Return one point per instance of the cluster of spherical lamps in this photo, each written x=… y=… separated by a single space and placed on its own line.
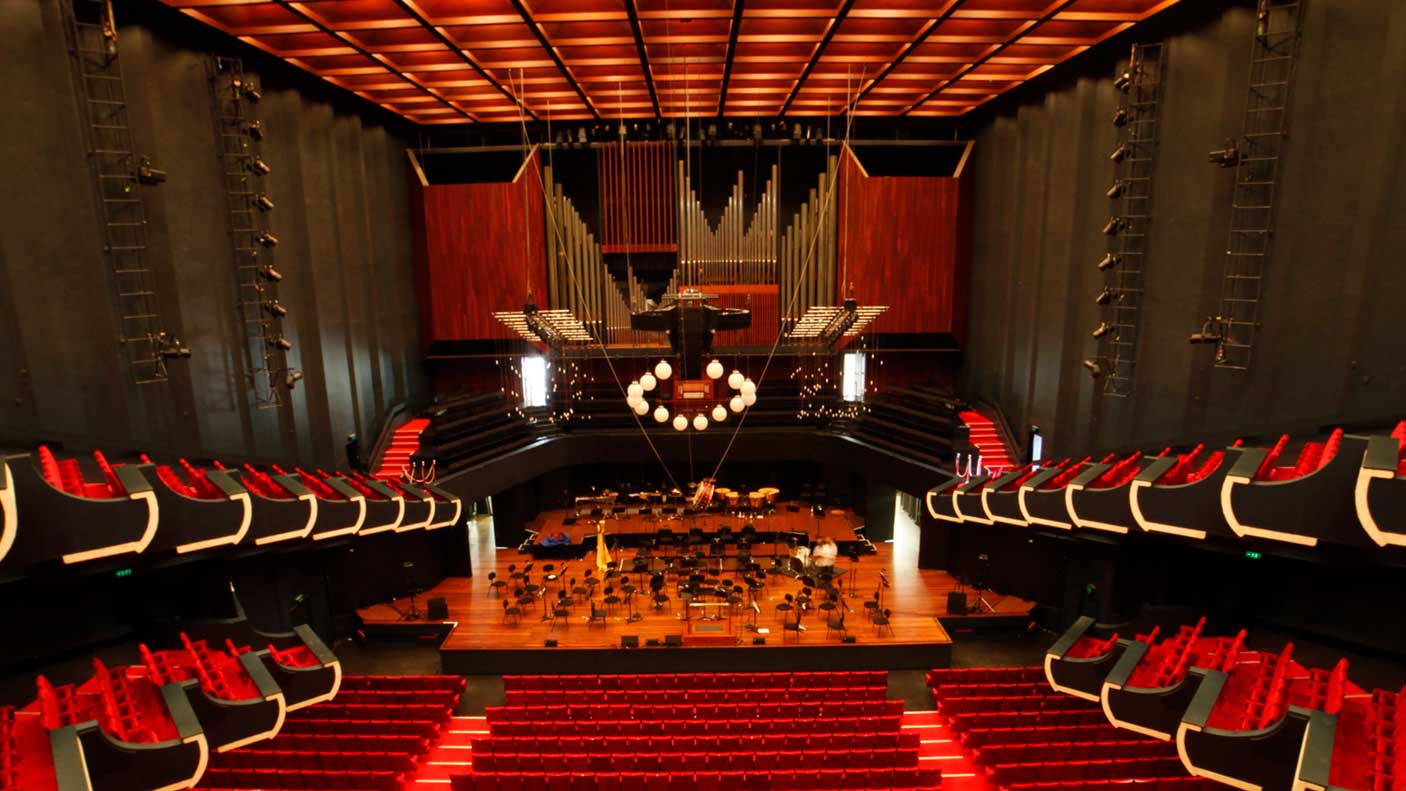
x=745 y=396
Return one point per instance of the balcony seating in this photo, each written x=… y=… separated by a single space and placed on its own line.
x=941 y=500
x=1181 y=495
x=283 y=509
x=419 y=506
x=1042 y=495
x=1000 y=499
x=448 y=507
x=966 y=499
x=1148 y=689
x=918 y=423
x=1380 y=494
x=341 y=509
x=1082 y=657
x=1299 y=504
x=203 y=509
x=472 y=429
x=1097 y=498
x=73 y=515
x=384 y=506
x=235 y=699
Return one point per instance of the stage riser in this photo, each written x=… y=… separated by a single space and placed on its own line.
x=743 y=659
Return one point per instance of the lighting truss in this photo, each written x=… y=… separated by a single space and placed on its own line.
x=553 y=327
x=829 y=323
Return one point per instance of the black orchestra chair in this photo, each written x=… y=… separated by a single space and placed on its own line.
x=834 y=623
x=597 y=615
x=495 y=585
x=561 y=612
x=513 y=611
x=581 y=592
x=611 y=599
x=789 y=627
x=784 y=608
x=872 y=607
x=881 y=621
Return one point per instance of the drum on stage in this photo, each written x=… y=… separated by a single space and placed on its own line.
x=756 y=499
x=770 y=493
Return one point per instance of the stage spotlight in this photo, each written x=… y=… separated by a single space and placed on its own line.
x=169 y=346
x=251 y=92
x=1103 y=329
x=1106 y=296
x=1120 y=117
x=757 y=131
x=259 y=167
x=1124 y=81
x=280 y=342
x=1115 y=191
x=267 y=239
x=1120 y=153
x=1095 y=368
x=1227 y=157
x=148 y=174
x=275 y=308
x=291 y=380
x=1211 y=331
x=581 y=136
x=270 y=274
x=712 y=132
x=255 y=130
x=264 y=202
x=1110 y=260
x=1114 y=225
x=796 y=133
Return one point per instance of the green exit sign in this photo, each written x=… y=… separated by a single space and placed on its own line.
x=1252 y=555
x=124 y=573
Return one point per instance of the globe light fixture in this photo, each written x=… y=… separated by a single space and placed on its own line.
x=735 y=380
x=715 y=370
x=736 y=404
x=748 y=386
x=719 y=414
x=663 y=370
x=661 y=414
x=641 y=408
x=749 y=398
x=635 y=390
x=700 y=422
x=648 y=382
x=680 y=422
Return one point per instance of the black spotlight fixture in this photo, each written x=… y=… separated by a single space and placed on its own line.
x=1116 y=191
x=270 y=274
x=1095 y=368
x=280 y=342
x=1103 y=329
x=1110 y=260
x=170 y=347
x=1106 y=296
x=148 y=173
x=266 y=239
x=1120 y=117
x=1113 y=226
x=1124 y=81
x=1227 y=157
x=255 y=130
x=275 y=308
x=291 y=380
x=250 y=92
x=263 y=202
x=1120 y=153
x=1211 y=331
x=259 y=167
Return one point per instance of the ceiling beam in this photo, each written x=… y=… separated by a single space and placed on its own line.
x=547 y=46
x=323 y=27
x=933 y=24
x=815 y=56
x=737 y=6
x=413 y=10
x=634 y=15
x=1020 y=33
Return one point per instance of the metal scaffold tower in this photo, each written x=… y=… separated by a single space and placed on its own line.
x=118 y=173
x=1258 y=170
x=260 y=313
x=1131 y=194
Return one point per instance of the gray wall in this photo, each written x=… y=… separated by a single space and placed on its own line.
x=1332 y=348
x=340 y=182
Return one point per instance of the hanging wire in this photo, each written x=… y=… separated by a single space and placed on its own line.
x=795 y=292
x=580 y=297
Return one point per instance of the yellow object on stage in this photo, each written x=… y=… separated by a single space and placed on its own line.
x=602 y=551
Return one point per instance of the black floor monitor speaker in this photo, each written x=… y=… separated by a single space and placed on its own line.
x=629 y=641
x=550 y=643
x=437 y=609
x=957 y=603
x=673 y=640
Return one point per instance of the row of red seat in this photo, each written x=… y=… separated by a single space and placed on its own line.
x=623 y=745
x=640 y=697
x=995 y=754
x=1026 y=719
x=330 y=761
x=1312 y=456
x=317 y=779
x=776 y=780
x=126 y=708
x=370 y=743
x=719 y=727
x=67 y=475
x=196 y=485
x=1180 y=783
x=1013 y=703
x=946 y=676
x=1082 y=770
x=220 y=674
x=697 y=761
x=701 y=711
x=701 y=681
x=313 y=725
x=453 y=684
x=982 y=690
x=1040 y=734
x=434 y=712
x=1253 y=693
x=403 y=697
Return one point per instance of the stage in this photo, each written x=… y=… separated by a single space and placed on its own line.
x=477 y=639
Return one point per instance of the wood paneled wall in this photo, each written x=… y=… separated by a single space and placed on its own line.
x=766 y=314
x=480 y=248
x=902 y=244
x=637 y=197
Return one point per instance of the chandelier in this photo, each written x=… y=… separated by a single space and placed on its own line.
x=693 y=400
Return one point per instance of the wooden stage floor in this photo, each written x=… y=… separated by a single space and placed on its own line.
x=479 y=641
x=836 y=523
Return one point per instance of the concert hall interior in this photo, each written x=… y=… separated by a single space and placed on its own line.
x=658 y=395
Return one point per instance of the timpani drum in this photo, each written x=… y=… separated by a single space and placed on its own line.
x=756 y=499
x=770 y=493
x=733 y=498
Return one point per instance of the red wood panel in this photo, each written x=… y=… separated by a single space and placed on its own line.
x=480 y=247
x=764 y=303
x=903 y=242
x=637 y=197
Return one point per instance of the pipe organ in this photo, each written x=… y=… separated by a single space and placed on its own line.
x=807 y=253
x=736 y=252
